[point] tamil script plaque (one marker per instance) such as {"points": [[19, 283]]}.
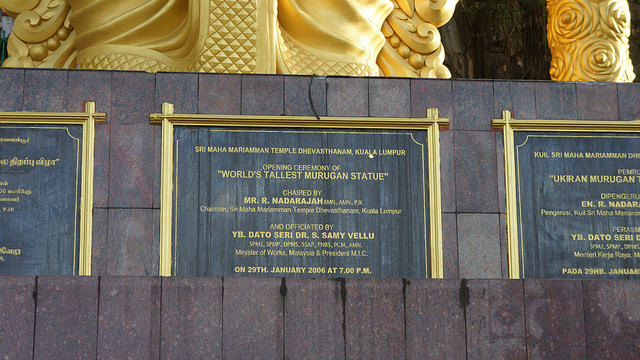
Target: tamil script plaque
{"points": [[40, 195], [578, 204], [300, 202]]}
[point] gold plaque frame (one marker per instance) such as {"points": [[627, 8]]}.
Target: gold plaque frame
{"points": [[431, 125], [508, 126], [87, 119]]}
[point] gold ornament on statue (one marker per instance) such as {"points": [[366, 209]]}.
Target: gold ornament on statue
{"points": [[346, 37], [42, 35], [413, 46], [589, 40]]}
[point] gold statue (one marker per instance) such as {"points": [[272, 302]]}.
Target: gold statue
{"points": [[330, 37], [589, 40], [413, 47]]}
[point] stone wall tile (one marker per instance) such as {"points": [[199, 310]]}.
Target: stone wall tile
{"points": [[12, 93], [191, 318], [66, 317], [313, 319], [131, 166], [435, 321], [390, 97], [374, 319], [129, 318], [252, 318], [157, 166], [500, 175], [479, 246], [17, 307], [504, 246], [597, 101], [555, 319], [220, 94], [450, 246], [296, 95], [99, 252], [262, 94], [629, 101], [556, 100], [86, 86], [45, 90], [517, 96], [495, 320], [472, 105], [101, 159], [431, 93], [179, 89], [132, 249], [347, 96], [476, 171], [132, 97], [447, 171], [612, 319]]}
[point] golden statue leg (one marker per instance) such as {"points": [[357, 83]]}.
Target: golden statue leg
{"points": [[347, 37], [589, 40], [148, 35], [330, 37]]}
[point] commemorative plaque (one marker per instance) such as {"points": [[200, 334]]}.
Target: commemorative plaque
{"points": [[577, 199], [43, 180], [300, 201]]}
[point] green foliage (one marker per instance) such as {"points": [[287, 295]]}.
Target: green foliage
{"points": [[507, 39], [498, 14], [3, 50], [634, 39], [500, 39]]}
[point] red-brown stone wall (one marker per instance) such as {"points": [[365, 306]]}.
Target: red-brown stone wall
{"points": [[125, 311], [122, 317]]}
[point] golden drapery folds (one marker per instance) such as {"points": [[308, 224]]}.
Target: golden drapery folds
{"points": [[330, 37], [589, 40], [148, 34], [340, 35]]}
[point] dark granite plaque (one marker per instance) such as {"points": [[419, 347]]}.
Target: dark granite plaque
{"points": [[578, 198], [40, 178], [287, 202]]}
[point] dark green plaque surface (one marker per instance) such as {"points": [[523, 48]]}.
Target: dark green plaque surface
{"points": [[40, 177], [578, 197], [286, 202]]}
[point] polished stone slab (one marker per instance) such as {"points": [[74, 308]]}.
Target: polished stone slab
{"points": [[313, 203], [41, 178]]}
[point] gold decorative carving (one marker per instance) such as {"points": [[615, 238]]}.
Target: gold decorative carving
{"points": [[230, 36], [349, 37], [589, 40], [413, 47], [42, 35]]}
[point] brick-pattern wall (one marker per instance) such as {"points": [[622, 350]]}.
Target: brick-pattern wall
{"points": [[147, 317], [121, 317], [127, 158]]}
